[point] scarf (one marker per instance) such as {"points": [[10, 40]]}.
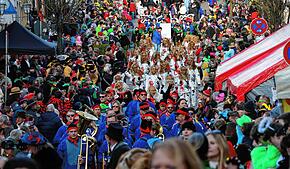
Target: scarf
{"points": [[73, 140]]}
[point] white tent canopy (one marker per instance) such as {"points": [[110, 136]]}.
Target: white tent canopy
{"points": [[283, 83]]}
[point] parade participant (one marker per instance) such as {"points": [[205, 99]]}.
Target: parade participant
{"points": [[61, 133], [181, 117], [69, 150], [187, 130], [168, 118], [146, 129], [117, 146], [162, 108], [154, 96]]}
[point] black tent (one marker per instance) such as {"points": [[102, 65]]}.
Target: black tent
{"points": [[22, 41]]}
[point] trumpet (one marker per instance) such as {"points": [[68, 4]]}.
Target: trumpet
{"points": [[84, 122], [161, 136]]}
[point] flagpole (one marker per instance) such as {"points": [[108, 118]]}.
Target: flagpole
{"points": [[6, 64]]}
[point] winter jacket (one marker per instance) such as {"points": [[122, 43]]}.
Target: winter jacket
{"points": [[265, 157], [48, 124], [156, 38]]}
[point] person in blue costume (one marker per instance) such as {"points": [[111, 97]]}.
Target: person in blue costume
{"points": [[199, 124], [62, 131], [182, 116], [162, 108], [167, 119], [69, 150], [133, 107], [134, 111], [145, 128], [110, 118]]}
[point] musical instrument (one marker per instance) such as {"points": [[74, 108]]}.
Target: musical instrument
{"points": [[85, 120], [160, 134]]}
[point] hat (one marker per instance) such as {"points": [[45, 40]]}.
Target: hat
{"points": [[72, 126], [62, 57], [162, 103], [232, 45], [142, 91], [114, 131], [220, 48], [151, 114], [220, 97], [146, 126], [15, 90], [188, 125], [29, 96], [244, 119], [182, 111], [249, 106], [144, 105], [206, 92], [8, 144], [33, 138], [174, 94], [20, 113]]}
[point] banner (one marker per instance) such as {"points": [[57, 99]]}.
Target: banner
{"points": [[166, 30]]}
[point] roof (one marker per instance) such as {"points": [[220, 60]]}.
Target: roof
{"points": [[253, 66], [22, 41]]}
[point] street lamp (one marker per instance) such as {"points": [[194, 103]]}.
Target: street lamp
{"points": [[27, 8]]}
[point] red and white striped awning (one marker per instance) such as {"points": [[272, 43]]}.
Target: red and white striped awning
{"points": [[253, 66]]}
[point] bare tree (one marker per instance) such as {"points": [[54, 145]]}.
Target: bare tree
{"points": [[59, 12], [273, 12]]}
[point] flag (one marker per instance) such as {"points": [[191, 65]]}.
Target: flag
{"points": [[9, 8]]}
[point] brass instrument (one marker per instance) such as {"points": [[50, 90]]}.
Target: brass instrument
{"points": [[89, 110], [85, 120], [160, 134]]}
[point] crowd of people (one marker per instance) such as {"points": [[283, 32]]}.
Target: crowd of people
{"points": [[123, 96]]}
